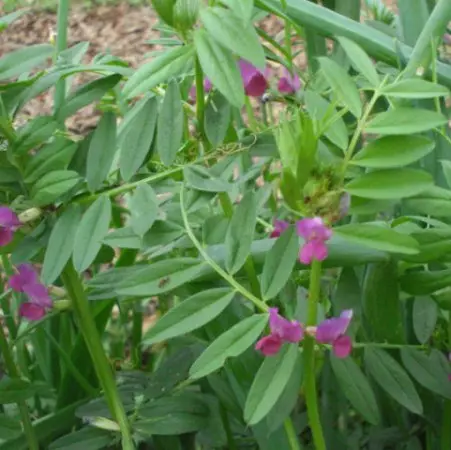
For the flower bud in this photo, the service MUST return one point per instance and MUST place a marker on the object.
(29, 215)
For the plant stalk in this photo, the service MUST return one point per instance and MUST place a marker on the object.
(30, 435)
(445, 437)
(309, 360)
(61, 44)
(291, 434)
(103, 369)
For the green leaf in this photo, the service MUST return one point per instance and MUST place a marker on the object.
(269, 383)
(160, 277)
(170, 124)
(165, 9)
(360, 60)
(392, 378)
(231, 32)
(343, 87)
(91, 231)
(427, 370)
(356, 388)
(84, 439)
(85, 95)
(425, 283)
(390, 184)
(381, 303)
(159, 70)
(321, 110)
(241, 8)
(102, 149)
(9, 427)
(424, 316)
(414, 88)
(8, 19)
(220, 67)
(123, 238)
(190, 314)
(217, 118)
(53, 156)
(52, 186)
(61, 244)
(279, 263)
(14, 390)
(34, 133)
(379, 237)
(23, 60)
(200, 178)
(241, 232)
(144, 209)
(393, 151)
(137, 138)
(405, 121)
(232, 343)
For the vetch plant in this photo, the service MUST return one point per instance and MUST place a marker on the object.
(187, 276)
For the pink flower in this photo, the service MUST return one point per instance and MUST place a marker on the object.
(9, 222)
(279, 227)
(282, 330)
(288, 83)
(332, 331)
(207, 88)
(26, 280)
(255, 81)
(315, 234)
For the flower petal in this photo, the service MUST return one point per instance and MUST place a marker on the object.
(331, 329)
(342, 346)
(319, 249)
(313, 228)
(31, 311)
(307, 252)
(286, 330)
(269, 345)
(38, 294)
(255, 82)
(279, 227)
(8, 218)
(6, 236)
(26, 274)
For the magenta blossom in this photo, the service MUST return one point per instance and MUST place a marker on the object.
(288, 83)
(26, 280)
(254, 80)
(9, 222)
(207, 88)
(282, 330)
(315, 234)
(279, 227)
(332, 331)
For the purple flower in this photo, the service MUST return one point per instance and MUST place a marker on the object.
(254, 80)
(207, 88)
(279, 227)
(26, 280)
(288, 83)
(332, 331)
(282, 330)
(9, 222)
(315, 234)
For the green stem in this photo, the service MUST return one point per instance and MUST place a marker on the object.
(445, 439)
(91, 336)
(61, 44)
(200, 103)
(33, 443)
(231, 445)
(291, 434)
(309, 360)
(137, 336)
(253, 125)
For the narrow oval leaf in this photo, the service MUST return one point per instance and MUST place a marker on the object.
(379, 237)
(228, 30)
(170, 124)
(52, 186)
(220, 67)
(269, 383)
(415, 88)
(241, 232)
(34, 133)
(230, 344)
(102, 149)
(217, 118)
(393, 151)
(427, 370)
(390, 184)
(279, 263)
(342, 85)
(405, 121)
(161, 69)
(86, 438)
(61, 244)
(393, 379)
(202, 179)
(144, 209)
(91, 231)
(137, 138)
(425, 283)
(14, 390)
(241, 8)
(360, 60)
(424, 316)
(190, 314)
(356, 388)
